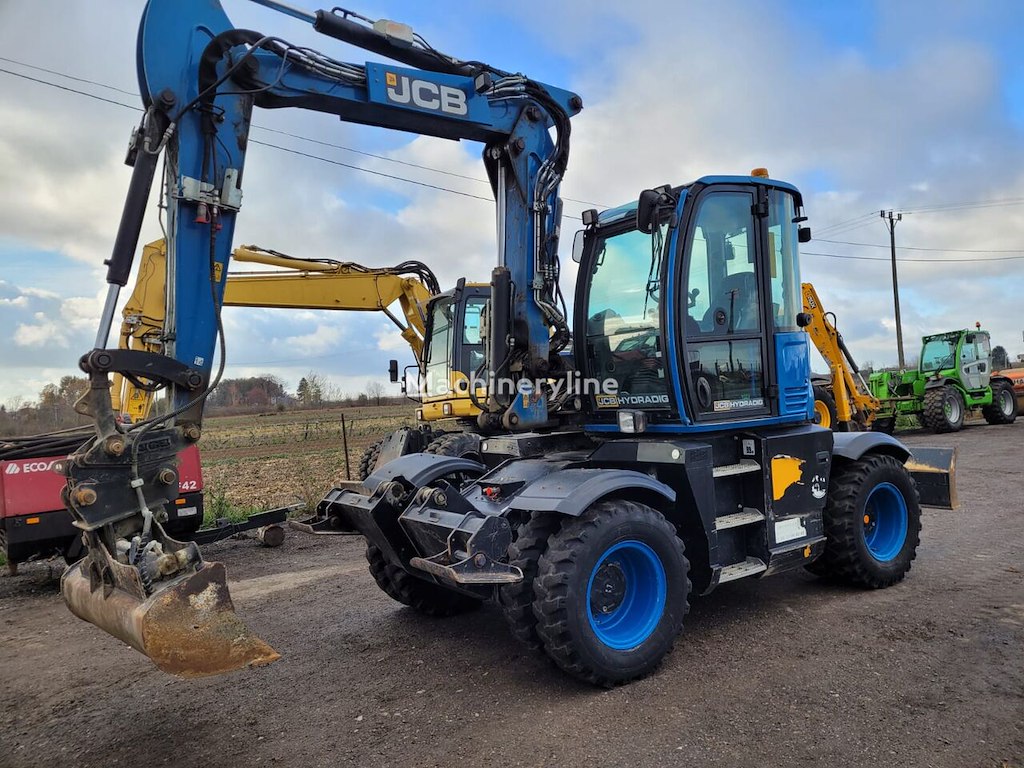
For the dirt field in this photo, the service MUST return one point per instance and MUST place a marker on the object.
(269, 460)
(784, 671)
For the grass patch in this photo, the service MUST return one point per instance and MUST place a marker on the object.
(216, 507)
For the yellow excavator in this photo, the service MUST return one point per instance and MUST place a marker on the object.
(842, 400)
(441, 328)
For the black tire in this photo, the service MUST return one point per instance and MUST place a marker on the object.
(1004, 404)
(849, 544)
(369, 459)
(943, 409)
(420, 595)
(886, 424)
(825, 407)
(516, 600)
(563, 595)
(464, 445)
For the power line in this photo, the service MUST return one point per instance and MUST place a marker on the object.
(367, 170)
(967, 205)
(919, 261)
(260, 127)
(916, 248)
(69, 77)
(69, 90)
(857, 221)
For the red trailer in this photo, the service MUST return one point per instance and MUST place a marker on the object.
(34, 523)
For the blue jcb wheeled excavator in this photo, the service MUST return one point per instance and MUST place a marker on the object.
(671, 451)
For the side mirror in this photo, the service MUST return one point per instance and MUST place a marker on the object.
(803, 319)
(393, 371)
(577, 246)
(646, 207)
(803, 234)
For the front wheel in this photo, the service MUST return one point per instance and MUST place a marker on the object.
(421, 595)
(611, 592)
(943, 409)
(825, 408)
(1003, 409)
(872, 521)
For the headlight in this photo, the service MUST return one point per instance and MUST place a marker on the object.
(632, 422)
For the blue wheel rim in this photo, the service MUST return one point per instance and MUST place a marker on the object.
(885, 522)
(626, 595)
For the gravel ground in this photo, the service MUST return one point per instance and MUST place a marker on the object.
(783, 671)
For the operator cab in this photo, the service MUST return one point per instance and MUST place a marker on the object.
(687, 307)
(453, 350)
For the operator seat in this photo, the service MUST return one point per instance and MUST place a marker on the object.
(738, 301)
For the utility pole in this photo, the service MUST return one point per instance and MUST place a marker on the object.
(890, 220)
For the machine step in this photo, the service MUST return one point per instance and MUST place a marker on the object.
(740, 468)
(748, 567)
(746, 517)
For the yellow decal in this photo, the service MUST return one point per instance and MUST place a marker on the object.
(786, 471)
(218, 270)
(391, 78)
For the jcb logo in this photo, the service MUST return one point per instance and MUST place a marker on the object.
(402, 89)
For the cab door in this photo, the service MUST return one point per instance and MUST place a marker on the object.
(725, 348)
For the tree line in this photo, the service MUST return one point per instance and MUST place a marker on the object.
(54, 407)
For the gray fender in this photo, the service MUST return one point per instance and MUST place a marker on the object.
(419, 469)
(853, 445)
(571, 491)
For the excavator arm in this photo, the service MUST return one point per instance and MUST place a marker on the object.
(200, 79)
(856, 407)
(296, 284)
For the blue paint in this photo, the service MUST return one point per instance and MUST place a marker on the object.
(793, 367)
(629, 582)
(886, 522)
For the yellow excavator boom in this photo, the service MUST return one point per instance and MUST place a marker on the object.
(307, 284)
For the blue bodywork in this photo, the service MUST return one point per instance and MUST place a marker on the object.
(791, 350)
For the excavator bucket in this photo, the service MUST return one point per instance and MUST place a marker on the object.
(934, 473)
(188, 628)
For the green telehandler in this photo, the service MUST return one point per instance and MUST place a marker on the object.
(954, 374)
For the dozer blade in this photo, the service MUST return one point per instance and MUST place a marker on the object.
(187, 628)
(934, 472)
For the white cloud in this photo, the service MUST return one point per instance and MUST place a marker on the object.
(44, 332)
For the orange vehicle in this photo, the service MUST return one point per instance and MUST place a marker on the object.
(1016, 375)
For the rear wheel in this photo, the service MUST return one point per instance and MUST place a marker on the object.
(886, 424)
(611, 592)
(1004, 404)
(369, 459)
(524, 553)
(943, 409)
(464, 445)
(825, 407)
(423, 596)
(872, 523)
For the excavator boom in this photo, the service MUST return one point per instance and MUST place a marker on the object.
(297, 284)
(200, 79)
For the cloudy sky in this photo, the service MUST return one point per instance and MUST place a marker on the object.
(912, 106)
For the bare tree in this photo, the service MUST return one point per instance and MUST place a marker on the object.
(374, 391)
